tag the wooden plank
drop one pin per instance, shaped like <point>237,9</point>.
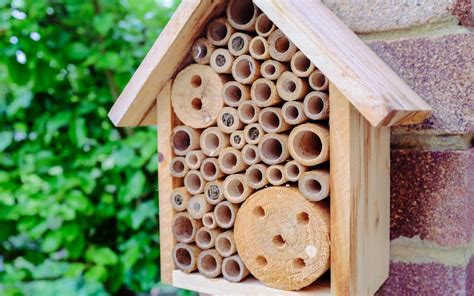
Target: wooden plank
<point>367,82</point>
<point>162,61</point>
<point>360,200</point>
<point>249,286</point>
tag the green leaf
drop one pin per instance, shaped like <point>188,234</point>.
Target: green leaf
<point>6,138</point>
<point>101,256</point>
<point>51,242</point>
<point>97,273</point>
<point>77,51</point>
<point>103,23</point>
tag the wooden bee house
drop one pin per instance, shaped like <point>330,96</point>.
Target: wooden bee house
<point>264,109</point>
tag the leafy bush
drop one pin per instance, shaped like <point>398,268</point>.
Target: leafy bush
<point>78,207</point>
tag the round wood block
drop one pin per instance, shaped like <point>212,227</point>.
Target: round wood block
<point>283,238</point>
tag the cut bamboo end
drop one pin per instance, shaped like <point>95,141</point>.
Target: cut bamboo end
<point>301,65</point>
<point>178,167</point>
<point>219,31</point>
<point>264,26</point>
<point>236,189</point>
<point>273,149</point>
<point>228,120</point>
<point>206,237</point>
<point>235,93</point>
<point>316,105</point>
<point>198,206</point>
<point>209,263</point>
<point>184,139</point>
<point>184,227</point>
<point>213,192</point>
<point>280,47</point>
<point>264,93</point>
<point>221,61</point>
<point>293,113</point>
<point>209,220</point>
<point>233,269</point>
<point>258,48</point>
<point>239,44</point>
<point>294,170</point>
<point>210,170</point>
<point>230,161</point>
<point>237,139</point>
<point>276,175</point>
<point>225,213</point>
<point>309,144</point>
<point>318,81</point>
<point>271,120</point>
<point>246,69</point>
<point>225,244</point>
<point>202,50</point>
<point>185,257</point>
<point>314,185</point>
<point>250,154</point>
<point>194,159</point>
<point>248,112</point>
<point>291,87</point>
<point>242,14</point>
<point>253,133</point>
<point>179,199</point>
<point>194,182</point>
<point>213,141</point>
<point>256,176</point>
<point>272,69</point>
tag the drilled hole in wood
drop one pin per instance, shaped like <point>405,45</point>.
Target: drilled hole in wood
<point>261,261</point>
<point>278,241</point>
<point>181,140</point>
<point>259,212</point>
<point>282,44</point>
<point>298,263</point>
<point>196,103</point>
<point>302,218</point>
<point>196,81</point>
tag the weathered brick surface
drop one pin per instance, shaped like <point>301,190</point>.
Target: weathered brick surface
<point>440,70</point>
<point>432,195</point>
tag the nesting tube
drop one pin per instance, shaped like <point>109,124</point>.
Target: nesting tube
<point>309,144</point>
<point>235,93</point>
<point>194,182</point>
<point>209,221</point>
<point>293,113</point>
<point>271,120</point>
<point>291,87</point>
<point>316,105</point>
<point>236,189</point>
<point>213,141</point>
<point>239,44</point>
<point>228,120</point>
<point>233,269</point>
<point>185,257</point>
<point>206,238</point>
<point>221,61</point>
<point>198,206</point>
<point>178,167</point>
<point>202,50</point>
<point>273,149</point>
<point>225,244</point>
<point>209,263</point>
<point>194,159</point>
<point>276,175</point>
<point>225,213</point>
<point>237,139</point>
<point>314,185</point>
<point>242,14</point>
<point>179,199</point>
<point>272,69</point>
<point>184,139</point>
<point>256,176</point>
<point>318,81</point>
<point>210,169</point>
<point>301,65</point>
<point>248,112</point>
<point>258,48</point>
<point>280,47</point>
<point>250,154</point>
<point>264,26</point>
<point>253,133</point>
<point>230,161</point>
<point>213,192</point>
<point>184,227</point>
<point>219,31</point>
<point>264,93</point>
<point>294,170</point>
<point>246,69</point>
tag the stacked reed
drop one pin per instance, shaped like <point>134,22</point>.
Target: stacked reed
<point>254,114</point>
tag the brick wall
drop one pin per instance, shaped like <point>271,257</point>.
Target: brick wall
<point>430,44</point>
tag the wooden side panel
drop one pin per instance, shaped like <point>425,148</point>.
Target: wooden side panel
<point>372,87</point>
<point>360,200</point>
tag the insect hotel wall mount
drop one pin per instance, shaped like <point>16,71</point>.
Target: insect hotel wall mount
<point>243,95</point>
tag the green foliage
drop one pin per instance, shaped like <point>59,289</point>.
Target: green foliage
<point>78,206</point>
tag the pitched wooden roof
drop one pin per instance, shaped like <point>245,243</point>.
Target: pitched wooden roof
<point>368,83</point>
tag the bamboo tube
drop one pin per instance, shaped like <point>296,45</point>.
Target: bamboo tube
<point>219,31</point>
<point>314,185</point>
<point>301,65</point>
<point>225,213</point>
<point>264,26</point>
<point>236,189</point>
<point>253,133</point>
<point>225,244</point>
<point>230,161</point>
<point>179,199</point>
<point>239,44</point>
<point>293,113</point>
<point>184,227</point>
<point>194,159</point>
<point>233,269</point>
<point>318,81</point>
<point>316,105</point>
<point>210,169</point>
<point>294,170</point>
<point>209,220</point>
<point>198,206</point>
<point>202,50</point>
<point>184,139</point>
<point>245,69</point>
<point>242,14</point>
<point>272,69</point>
<point>206,238</point>
<point>258,48</point>
<point>185,257</point>
<point>291,87</point>
<point>256,176</point>
<point>271,120</point>
<point>178,167</point>
<point>210,263</point>
<point>250,154</point>
<point>276,175</point>
<point>194,182</point>
<point>213,192</point>
<point>264,93</point>
<point>213,141</point>
<point>248,112</point>
<point>221,61</point>
<point>234,93</point>
<point>237,139</point>
<point>273,149</point>
<point>228,120</point>
<point>280,47</point>
<point>309,144</point>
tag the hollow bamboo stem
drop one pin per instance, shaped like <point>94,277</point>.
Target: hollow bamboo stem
<point>210,169</point>
<point>271,120</point>
<point>291,87</point>
<point>236,189</point>
<point>239,44</point>
<point>276,175</point>
<point>179,199</point>
<point>294,170</point>
<point>206,238</point>
<point>314,185</point>
<point>272,69</point>
<point>198,206</point>
<point>178,167</point>
<point>280,47</point>
<point>253,133</point>
<point>242,14</point>
<point>219,31</point>
<point>245,69</point>
<point>301,65</point>
<point>209,263</point>
<point>256,176</point>
<point>225,244</point>
<point>235,93</point>
<point>318,81</point>
<point>316,105</point>
<point>184,227</point>
<point>309,144</point>
<point>258,48</point>
<point>228,120</point>
<point>209,220</point>
<point>225,213</point>
<point>213,141</point>
<point>273,149</point>
<point>250,154</point>
<point>221,61</point>
<point>213,192</point>
<point>194,182</point>
<point>233,269</point>
<point>293,113</point>
<point>185,257</point>
<point>264,26</point>
<point>202,50</point>
<point>230,161</point>
<point>194,159</point>
<point>264,93</point>
<point>237,139</point>
<point>248,112</point>
<point>184,139</point>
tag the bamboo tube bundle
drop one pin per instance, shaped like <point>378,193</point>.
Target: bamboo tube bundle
<point>239,44</point>
<point>271,120</point>
<point>309,144</point>
<point>276,175</point>
<point>225,244</point>
<point>294,170</point>
<point>271,69</point>
<point>235,93</point>
<point>184,227</point>
<point>202,50</point>
<point>236,189</point>
<point>209,263</point>
<point>242,14</point>
<point>179,199</point>
<point>273,149</point>
<point>206,238</point>
<point>253,133</point>
<point>194,182</point>
<point>184,139</point>
<point>213,192</point>
<point>280,47</point>
<point>178,167</point>
<point>198,206</point>
<point>209,221</point>
<point>219,31</point>
<point>256,176</point>
<point>293,113</point>
<point>290,87</point>
<point>301,65</point>
<point>185,257</point>
<point>237,139</point>
<point>234,269</point>
<point>230,161</point>
<point>213,141</point>
<point>245,69</point>
<point>250,154</point>
<point>314,185</point>
<point>194,159</point>
<point>225,213</point>
<point>264,26</point>
<point>221,61</point>
<point>264,93</point>
<point>258,48</point>
<point>228,120</point>
<point>318,81</point>
<point>248,112</point>
<point>316,105</point>
<point>210,169</point>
